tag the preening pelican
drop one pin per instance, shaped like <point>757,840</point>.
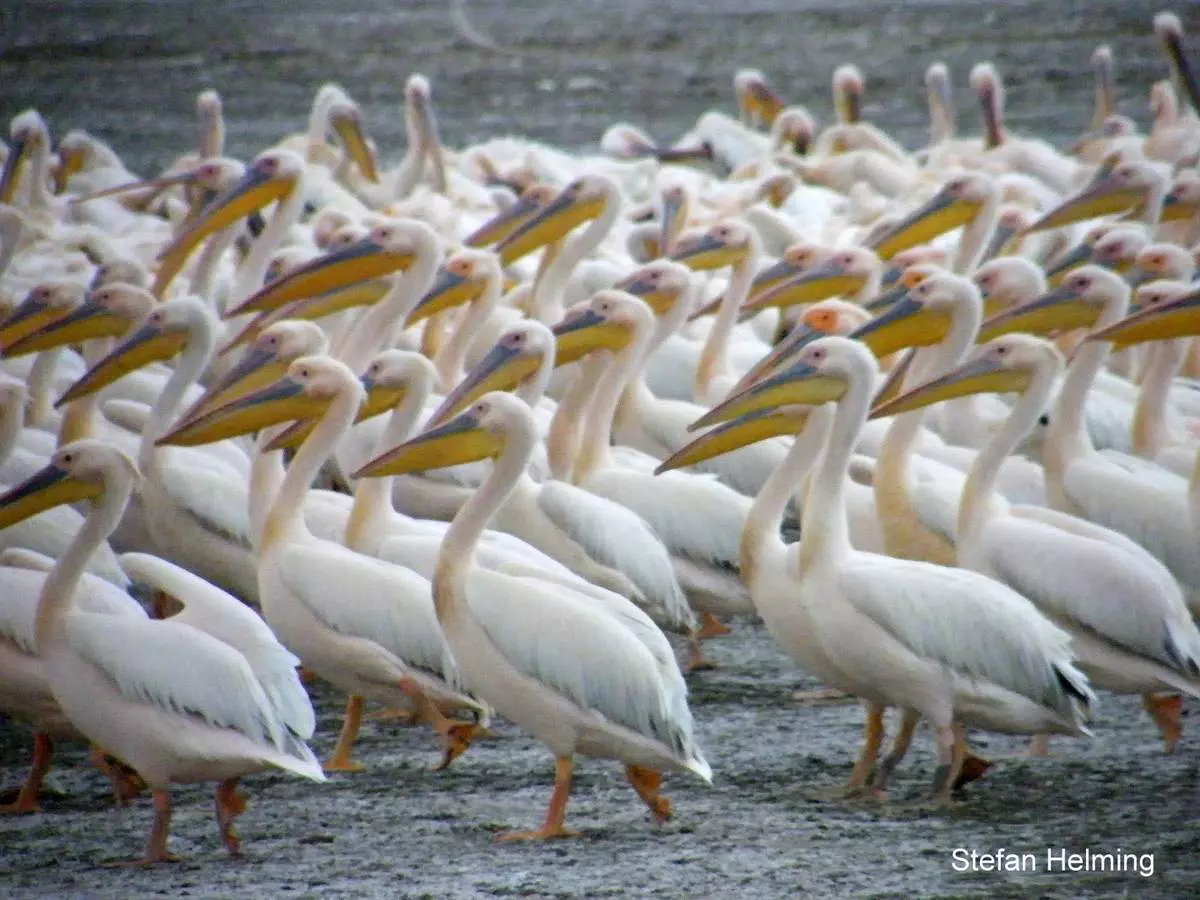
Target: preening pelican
<point>618,695</point>
<point>176,704</point>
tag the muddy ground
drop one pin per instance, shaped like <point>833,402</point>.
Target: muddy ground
<point>399,830</point>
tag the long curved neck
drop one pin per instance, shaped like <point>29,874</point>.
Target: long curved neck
<point>266,476</point>
<point>206,266</point>
<point>458,544</point>
<point>11,421</point>
<point>59,587</point>
<point>563,437</point>
<point>376,328</point>
<point>981,479</point>
<point>285,515</point>
<point>372,496</point>
<point>824,532</point>
<point>593,452</point>
<point>41,376</point>
<point>408,173</point>
<point>79,416</point>
<point>318,125</point>
<point>192,363</point>
<point>976,235</point>
<point>253,269</point>
<point>452,360</point>
<point>547,293</point>
<point>39,194</point>
<point>761,530</point>
<point>1149,415</point>
<point>714,355</point>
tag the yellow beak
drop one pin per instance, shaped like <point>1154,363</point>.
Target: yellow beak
<point>706,253</point>
<point>1104,197</point>
<point>380,399</point>
<point>979,376</point>
<point>448,291</point>
<point>360,261</point>
<point>284,400</point>
<point>799,338</point>
<point>737,433</point>
<point>349,130</point>
<point>906,323</point>
<point>33,314</point>
<point>818,283</point>
<point>659,300</point>
<point>461,440</point>
<point>944,212</point>
<point>17,154</point>
<point>562,214</point>
<point>88,321</point>
<point>69,162</point>
<point>579,335</point>
<point>145,346</point>
<point>1061,309</point>
<point>362,293</point>
<point>1177,319</point>
<point>44,490</point>
<point>798,385</point>
<point>503,224</point>
<point>256,189</point>
<point>501,370</point>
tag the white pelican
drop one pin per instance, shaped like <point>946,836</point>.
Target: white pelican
<point>176,704</point>
<point>960,649</point>
<point>617,695</point>
<point>1126,615</point>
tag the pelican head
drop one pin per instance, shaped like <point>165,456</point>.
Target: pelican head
<point>941,100</point>
<point>1170,32</point>
<point>956,203</point>
<point>848,86</point>
<point>660,283</point>
<point>1078,302</point>
<point>1121,188</point>
<point>584,199</point>
<point>75,152</point>
<point>272,176</point>
<point>758,104</point>
<point>822,318</point>
<point>794,130</point>
<point>846,270</point>
<point>28,133</point>
<point>609,321</point>
<point>521,352</point>
<point>728,243</point>
<point>532,200</point>
<point>821,373</point>
<point>210,116</point>
<point>108,311</point>
<point>922,317</point>
<point>304,391</point>
<point>164,333</point>
<point>80,471</point>
<point>1161,260</point>
<point>394,245</point>
<point>345,119</point>
<point>1008,281</point>
<point>462,278</point>
<point>482,431</point>
<point>1007,364</point>
<point>742,431</point>
<point>1182,201</point>
<point>1118,249</point>
<point>43,304</point>
<point>988,87</point>
<point>1175,318</point>
<point>796,260</point>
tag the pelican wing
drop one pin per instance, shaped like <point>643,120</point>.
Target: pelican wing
<point>211,493</point>
<point>215,612</point>
<point>586,652</point>
<point>1150,509</point>
<point>366,597</point>
<point>618,538</point>
<point>1097,579</point>
<point>178,669</point>
<point>968,623</point>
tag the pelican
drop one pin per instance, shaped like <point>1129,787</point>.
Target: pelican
<point>176,704</point>
<point>618,695</point>
<point>908,633</point>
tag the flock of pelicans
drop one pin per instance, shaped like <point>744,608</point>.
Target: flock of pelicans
<point>470,434</point>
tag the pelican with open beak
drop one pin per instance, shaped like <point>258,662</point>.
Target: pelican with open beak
<point>272,176</point>
<point>583,200</point>
<point>27,134</point>
<point>1123,188</point>
<point>959,201</point>
<point>382,252</point>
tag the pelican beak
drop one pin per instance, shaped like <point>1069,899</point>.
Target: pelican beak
<point>578,335</point>
<point>998,243</point>
<point>1103,197</point>
<point>906,323</point>
<point>943,212</point>
<point>8,176</point>
<point>1174,49</point>
<point>358,262</point>
<point>762,104</point>
<point>1072,259</point>
<point>501,370</point>
<point>348,127</point>
<point>448,291</point>
<point>501,226</point>
<point>978,376</point>
<point>45,489</point>
<point>563,213</point>
<point>674,217</point>
<point>1136,276</point>
<point>800,384</point>
<point>894,383</point>
<point>1176,209</point>
<point>706,252</point>
<point>1177,319</point>
<point>1062,309</point>
<point>145,346</point>
<point>461,440</point>
<point>887,298</point>
<point>284,400</point>
<point>85,322</point>
<point>799,338</point>
<point>822,281</point>
<point>33,314</point>
<point>363,293</point>
<point>782,270</point>
<point>708,309</point>
<point>255,370</point>
<point>380,398</point>
<point>737,433</point>
<point>69,162</point>
<point>657,298</point>
<point>151,184</point>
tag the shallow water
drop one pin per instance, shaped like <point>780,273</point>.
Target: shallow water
<point>565,70</point>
